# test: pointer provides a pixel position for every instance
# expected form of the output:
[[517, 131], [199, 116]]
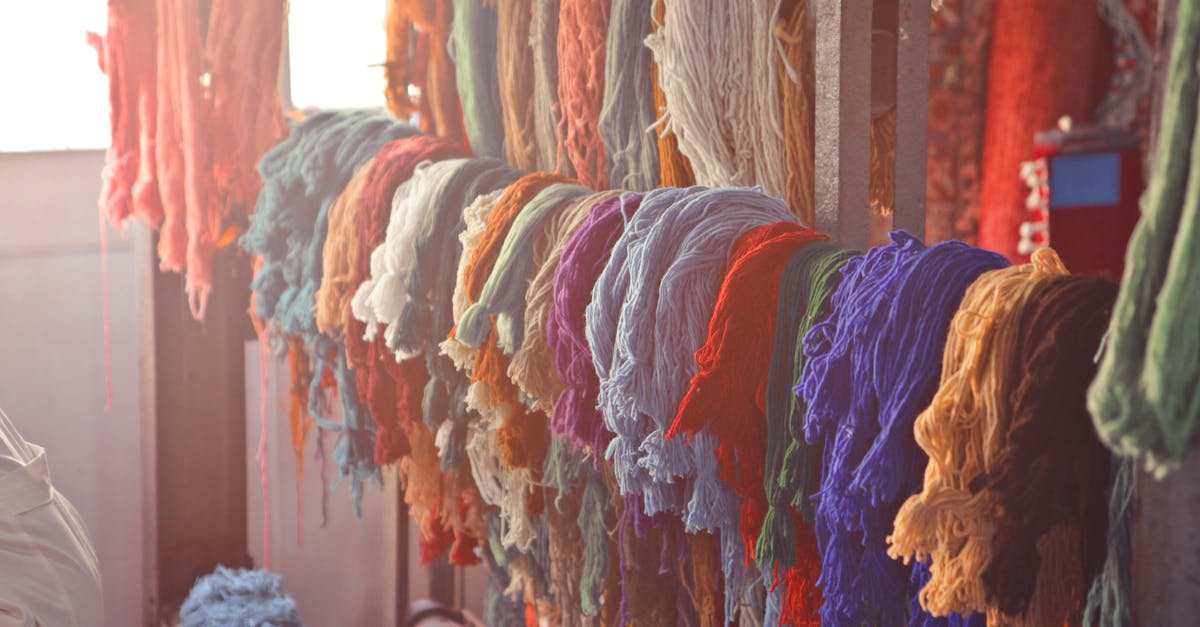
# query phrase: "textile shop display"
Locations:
[[569, 286], [599, 361]]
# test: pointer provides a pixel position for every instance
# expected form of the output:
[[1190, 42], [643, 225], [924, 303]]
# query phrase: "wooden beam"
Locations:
[[843, 118], [194, 427], [912, 115]]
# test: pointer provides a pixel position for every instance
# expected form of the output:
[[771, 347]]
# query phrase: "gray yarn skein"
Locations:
[[627, 113]]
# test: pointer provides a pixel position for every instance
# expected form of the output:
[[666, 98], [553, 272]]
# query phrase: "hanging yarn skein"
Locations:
[[584, 257], [951, 523], [514, 68], [723, 97], [473, 51], [796, 90], [727, 395], [547, 113], [1052, 471], [288, 231], [183, 152], [674, 169], [418, 64], [792, 467], [391, 390], [675, 276], [1144, 400], [532, 367], [602, 319], [627, 113], [129, 185], [871, 367], [582, 36], [338, 257]]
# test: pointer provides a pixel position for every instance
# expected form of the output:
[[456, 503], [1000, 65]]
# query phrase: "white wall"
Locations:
[[337, 574], [52, 359]]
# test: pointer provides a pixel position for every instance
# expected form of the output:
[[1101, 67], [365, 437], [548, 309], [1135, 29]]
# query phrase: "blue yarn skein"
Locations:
[[873, 366], [602, 317], [239, 597]]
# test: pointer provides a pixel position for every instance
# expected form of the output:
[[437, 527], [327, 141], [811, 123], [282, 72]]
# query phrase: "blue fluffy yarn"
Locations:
[[249, 598], [873, 366], [602, 318]]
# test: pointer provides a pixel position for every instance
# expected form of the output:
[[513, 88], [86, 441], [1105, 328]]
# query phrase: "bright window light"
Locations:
[[55, 96], [336, 51]]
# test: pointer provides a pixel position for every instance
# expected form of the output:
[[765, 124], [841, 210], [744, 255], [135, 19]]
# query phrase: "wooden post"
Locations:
[[193, 395], [1166, 515], [850, 77], [843, 118], [912, 115]]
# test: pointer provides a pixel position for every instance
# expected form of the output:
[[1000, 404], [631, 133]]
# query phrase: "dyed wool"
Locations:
[[288, 231], [229, 596], [1052, 471], [391, 391], [500, 296], [674, 169], [547, 114], [341, 250], [524, 435], [473, 51], [582, 35], [723, 97], [562, 471], [676, 276], [801, 291], [888, 322], [475, 224], [242, 52], [647, 596], [794, 70], [627, 113], [511, 432], [1144, 399], [532, 366], [129, 186], [514, 61], [676, 273], [583, 259], [417, 35], [182, 155], [988, 410], [380, 298], [741, 330], [1110, 600], [427, 317], [602, 317], [593, 529]]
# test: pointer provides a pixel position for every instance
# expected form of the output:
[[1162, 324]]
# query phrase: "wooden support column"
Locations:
[[1166, 571], [869, 54], [843, 118], [912, 115], [194, 427]]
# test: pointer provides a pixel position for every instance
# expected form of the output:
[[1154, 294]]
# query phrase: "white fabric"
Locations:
[[48, 571]]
